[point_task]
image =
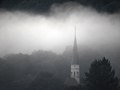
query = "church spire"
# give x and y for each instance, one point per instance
(75, 50)
(75, 64)
(75, 68)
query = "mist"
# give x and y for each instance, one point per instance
(59, 45)
(25, 32)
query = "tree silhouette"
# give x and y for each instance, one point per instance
(101, 76)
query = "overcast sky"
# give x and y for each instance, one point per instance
(23, 32)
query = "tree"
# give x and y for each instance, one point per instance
(101, 76)
(46, 81)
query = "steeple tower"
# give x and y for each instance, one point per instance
(75, 72)
(75, 51)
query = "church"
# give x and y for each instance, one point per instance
(74, 79)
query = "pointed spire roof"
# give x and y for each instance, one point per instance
(75, 51)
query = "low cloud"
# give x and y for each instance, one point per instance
(25, 32)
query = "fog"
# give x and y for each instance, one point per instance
(25, 32)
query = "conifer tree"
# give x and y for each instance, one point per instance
(101, 76)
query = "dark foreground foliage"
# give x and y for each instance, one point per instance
(101, 76)
(44, 70)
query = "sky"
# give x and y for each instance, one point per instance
(25, 32)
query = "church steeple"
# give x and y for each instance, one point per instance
(75, 51)
(74, 79)
(75, 72)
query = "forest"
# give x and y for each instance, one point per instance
(41, 70)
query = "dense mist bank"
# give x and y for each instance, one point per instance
(22, 71)
(25, 32)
